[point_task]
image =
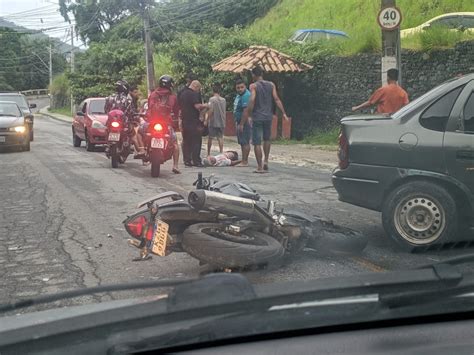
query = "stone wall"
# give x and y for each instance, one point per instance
(317, 100)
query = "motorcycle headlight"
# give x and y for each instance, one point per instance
(18, 129)
(97, 124)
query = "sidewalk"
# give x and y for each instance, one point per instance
(300, 155)
(56, 116)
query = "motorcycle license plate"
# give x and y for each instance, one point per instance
(160, 237)
(114, 137)
(157, 143)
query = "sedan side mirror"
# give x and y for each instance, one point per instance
(32, 105)
(80, 114)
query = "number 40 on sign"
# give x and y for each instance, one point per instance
(389, 18)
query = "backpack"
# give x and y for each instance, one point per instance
(161, 106)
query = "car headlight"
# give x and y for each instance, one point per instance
(97, 124)
(18, 129)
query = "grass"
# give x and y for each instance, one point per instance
(355, 17)
(324, 140)
(66, 111)
(436, 38)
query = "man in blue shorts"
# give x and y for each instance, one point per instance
(241, 115)
(263, 95)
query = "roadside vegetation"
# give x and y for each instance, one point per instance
(436, 38)
(191, 35)
(66, 111)
(356, 18)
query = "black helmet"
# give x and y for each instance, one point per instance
(166, 81)
(121, 86)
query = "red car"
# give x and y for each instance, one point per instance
(89, 123)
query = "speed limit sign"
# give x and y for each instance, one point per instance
(390, 18)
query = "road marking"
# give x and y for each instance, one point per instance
(368, 264)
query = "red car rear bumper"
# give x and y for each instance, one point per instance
(97, 135)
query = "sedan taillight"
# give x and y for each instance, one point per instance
(343, 151)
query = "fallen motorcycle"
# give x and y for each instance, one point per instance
(228, 225)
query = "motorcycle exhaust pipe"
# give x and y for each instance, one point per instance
(229, 205)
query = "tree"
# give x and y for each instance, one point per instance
(95, 17)
(102, 64)
(24, 61)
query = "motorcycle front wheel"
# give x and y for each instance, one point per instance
(212, 244)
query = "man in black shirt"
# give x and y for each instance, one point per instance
(190, 123)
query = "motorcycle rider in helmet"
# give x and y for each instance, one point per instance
(124, 99)
(162, 102)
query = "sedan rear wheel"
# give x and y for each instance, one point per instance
(420, 214)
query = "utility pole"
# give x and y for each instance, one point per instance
(50, 72)
(50, 64)
(389, 20)
(150, 69)
(72, 66)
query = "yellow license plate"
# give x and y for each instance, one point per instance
(160, 238)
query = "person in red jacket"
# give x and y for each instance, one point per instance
(162, 102)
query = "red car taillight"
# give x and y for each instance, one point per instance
(343, 151)
(135, 226)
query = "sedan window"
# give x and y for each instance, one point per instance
(18, 99)
(468, 114)
(9, 109)
(97, 106)
(437, 115)
(450, 22)
(301, 37)
(468, 22)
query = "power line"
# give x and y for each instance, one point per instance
(40, 9)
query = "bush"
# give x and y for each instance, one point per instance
(441, 37)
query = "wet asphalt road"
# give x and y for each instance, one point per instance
(61, 210)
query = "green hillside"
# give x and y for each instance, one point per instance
(355, 17)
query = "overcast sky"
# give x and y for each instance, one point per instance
(35, 14)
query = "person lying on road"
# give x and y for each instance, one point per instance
(228, 158)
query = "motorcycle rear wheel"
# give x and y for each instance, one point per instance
(210, 243)
(114, 158)
(155, 160)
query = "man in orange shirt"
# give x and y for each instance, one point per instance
(389, 98)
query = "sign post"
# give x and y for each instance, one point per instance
(389, 19)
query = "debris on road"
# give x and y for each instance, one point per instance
(14, 248)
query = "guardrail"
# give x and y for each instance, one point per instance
(36, 92)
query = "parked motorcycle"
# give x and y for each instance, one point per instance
(118, 138)
(228, 225)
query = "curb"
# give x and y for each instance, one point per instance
(51, 115)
